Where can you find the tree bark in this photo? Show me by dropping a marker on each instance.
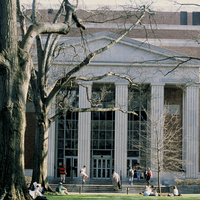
(41, 150)
(14, 81)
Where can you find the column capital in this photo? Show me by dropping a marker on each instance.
(122, 83)
(86, 83)
(157, 84)
(188, 85)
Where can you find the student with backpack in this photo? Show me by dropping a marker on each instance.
(130, 175)
(148, 175)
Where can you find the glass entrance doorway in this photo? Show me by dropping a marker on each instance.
(133, 163)
(71, 166)
(101, 167)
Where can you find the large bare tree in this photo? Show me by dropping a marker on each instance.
(43, 94)
(17, 69)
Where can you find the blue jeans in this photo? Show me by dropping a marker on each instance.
(131, 180)
(138, 175)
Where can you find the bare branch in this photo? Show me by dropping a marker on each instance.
(64, 111)
(187, 4)
(48, 53)
(34, 11)
(42, 28)
(182, 62)
(21, 19)
(87, 60)
(71, 14)
(99, 78)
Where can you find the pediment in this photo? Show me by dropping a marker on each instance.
(126, 52)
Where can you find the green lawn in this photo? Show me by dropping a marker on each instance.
(116, 196)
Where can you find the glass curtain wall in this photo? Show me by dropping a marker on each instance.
(137, 126)
(102, 131)
(67, 132)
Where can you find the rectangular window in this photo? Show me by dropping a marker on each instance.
(67, 127)
(137, 124)
(102, 131)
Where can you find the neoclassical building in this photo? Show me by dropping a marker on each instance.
(113, 140)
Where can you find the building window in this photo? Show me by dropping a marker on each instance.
(183, 18)
(67, 131)
(137, 125)
(102, 131)
(195, 18)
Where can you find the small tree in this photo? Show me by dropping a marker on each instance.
(166, 147)
(160, 143)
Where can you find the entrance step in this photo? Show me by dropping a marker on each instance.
(105, 186)
(135, 189)
(88, 181)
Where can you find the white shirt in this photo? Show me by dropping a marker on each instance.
(175, 192)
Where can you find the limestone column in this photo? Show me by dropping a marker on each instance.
(51, 145)
(157, 123)
(192, 131)
(121, 121)
(84, 130)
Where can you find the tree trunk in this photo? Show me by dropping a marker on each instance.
(159, 187)
(159, 170)
(41, 150)
(12, 129)
(14, 81)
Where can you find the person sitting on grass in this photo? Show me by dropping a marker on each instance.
(150, 191)
(147, 191)
(61, 189)
(175, 191)
(153, 191)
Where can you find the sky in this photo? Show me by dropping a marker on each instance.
(158, 5)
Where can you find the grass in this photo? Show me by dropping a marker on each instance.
(118, 197)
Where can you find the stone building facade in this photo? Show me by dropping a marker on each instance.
(106, 141)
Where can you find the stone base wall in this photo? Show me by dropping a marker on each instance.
(188, 186)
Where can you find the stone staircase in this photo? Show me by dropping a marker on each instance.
(104, 186)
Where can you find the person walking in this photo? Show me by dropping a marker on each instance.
(138, 169)
(148, 175)
(116, 181)
(83, 173)
(130, 175)
(62, 173)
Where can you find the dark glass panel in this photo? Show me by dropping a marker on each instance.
(102, 115)
(61, 124)
(101, 144)
(68, 144)
(108, 134)
(60, 144)
(60, 134)
(102, 135)
(95, 134)
(68, 134)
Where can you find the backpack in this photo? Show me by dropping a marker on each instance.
(130, 172)
(149, 173)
